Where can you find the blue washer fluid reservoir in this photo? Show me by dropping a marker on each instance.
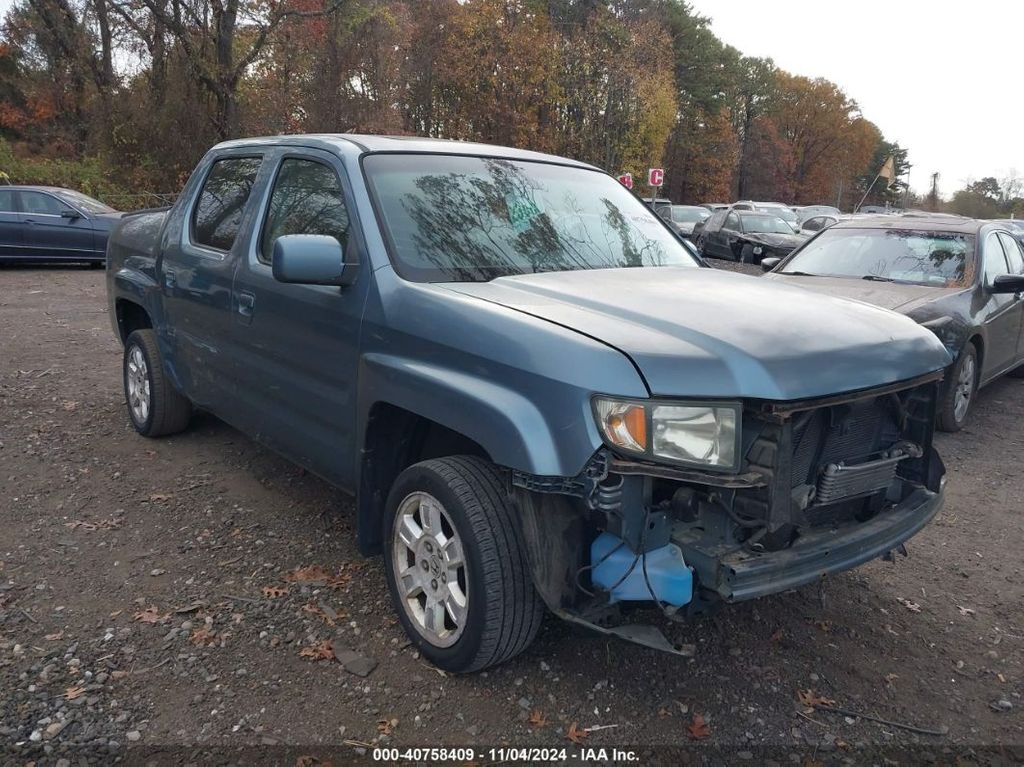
(671, 580)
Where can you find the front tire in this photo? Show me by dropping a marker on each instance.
(959, 391)
(456, 564)
(155, 407)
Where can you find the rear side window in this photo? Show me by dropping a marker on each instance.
(307, 199)
(218, 213)
(7, 201)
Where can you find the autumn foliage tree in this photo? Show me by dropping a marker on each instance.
(143, 87)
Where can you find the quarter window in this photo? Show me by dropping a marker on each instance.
(218, 213)
(307, 199)
(995, 259)
(7, 201)
(1013, 254)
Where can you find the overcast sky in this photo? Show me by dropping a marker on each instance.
(945, 79)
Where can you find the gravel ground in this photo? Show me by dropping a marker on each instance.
(189, 592)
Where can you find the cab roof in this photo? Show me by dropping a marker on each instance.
(368, 144)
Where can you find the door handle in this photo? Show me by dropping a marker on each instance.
(170, 278)
(246, 306)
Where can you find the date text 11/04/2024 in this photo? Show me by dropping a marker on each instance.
(505, 754)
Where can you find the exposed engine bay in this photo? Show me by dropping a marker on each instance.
(824, 486)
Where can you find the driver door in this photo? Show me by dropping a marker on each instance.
(1002, 314)
(52, 229)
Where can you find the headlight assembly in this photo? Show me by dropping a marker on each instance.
(700, 434)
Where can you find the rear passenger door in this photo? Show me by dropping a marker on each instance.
(296, 346)
(197, 268)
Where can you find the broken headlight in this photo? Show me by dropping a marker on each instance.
(704, 435)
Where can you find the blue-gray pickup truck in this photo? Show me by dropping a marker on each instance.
(536, 394)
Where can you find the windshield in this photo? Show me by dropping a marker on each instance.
(924, 258)
(771, 224)
(471, 219)
(83, 202)
(686, 214)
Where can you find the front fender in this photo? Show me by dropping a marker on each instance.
(504, 422)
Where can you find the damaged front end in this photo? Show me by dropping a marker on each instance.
(820, 486)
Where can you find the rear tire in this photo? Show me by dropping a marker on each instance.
(959, 391)
(155, 407)
(456, 564)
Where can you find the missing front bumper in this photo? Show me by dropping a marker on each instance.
(746, 575)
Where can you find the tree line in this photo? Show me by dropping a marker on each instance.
(128, 94)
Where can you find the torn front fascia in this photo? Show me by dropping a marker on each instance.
(619, 489)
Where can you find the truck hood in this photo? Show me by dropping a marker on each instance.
(897, 296)
(711, 333)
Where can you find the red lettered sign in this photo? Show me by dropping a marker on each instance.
(626, 179)
(655, 177)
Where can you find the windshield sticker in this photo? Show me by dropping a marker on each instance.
(521, 212)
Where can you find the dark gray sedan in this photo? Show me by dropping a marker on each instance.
(961, 278)
(41, 223)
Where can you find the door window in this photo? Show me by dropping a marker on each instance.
(41, 204)
(732, 222)
(218, 212)
(7, 201)
(995, 259)
(307, 199)
(1013, 253)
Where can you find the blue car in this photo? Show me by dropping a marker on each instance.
(42, 223)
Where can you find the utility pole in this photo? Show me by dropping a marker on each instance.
(933, 195)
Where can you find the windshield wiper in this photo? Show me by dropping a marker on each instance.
(877, 278)
(803, 274)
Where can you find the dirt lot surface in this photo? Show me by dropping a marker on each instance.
(178, 592)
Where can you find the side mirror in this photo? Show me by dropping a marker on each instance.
(1008, 283)
(767, 264)
(70, 214)
(311, 259)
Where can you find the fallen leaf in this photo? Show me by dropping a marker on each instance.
(319, 612)
(537, 718)
(321, 651)
(384, 727)
(575, 734)
(698, 729)
(203, 637)
(74, 692)
(912, 606)
(965, 610)
(318, 574)
(274, 592)
(664, 713)
(777, 636)
(160, 497)
(151, 615)
(811, 699)
(55, 637)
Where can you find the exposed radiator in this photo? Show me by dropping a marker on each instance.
(839, 481)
